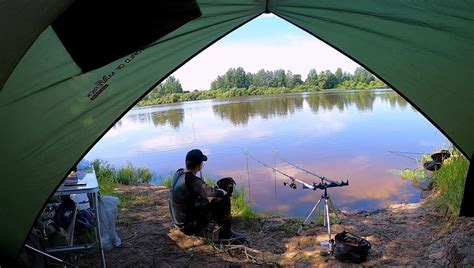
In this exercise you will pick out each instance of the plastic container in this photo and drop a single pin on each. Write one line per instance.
(325, 248)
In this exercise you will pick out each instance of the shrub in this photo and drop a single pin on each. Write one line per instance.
(449, 183)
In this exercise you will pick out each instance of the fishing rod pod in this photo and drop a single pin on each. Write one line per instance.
(323, 203)
(323, 185)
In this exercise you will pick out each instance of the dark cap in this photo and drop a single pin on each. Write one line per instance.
(195, 157)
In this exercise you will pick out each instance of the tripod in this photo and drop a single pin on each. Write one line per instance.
(326, 219)
(323, 185)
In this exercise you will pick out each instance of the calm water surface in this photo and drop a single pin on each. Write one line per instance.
(340, 135)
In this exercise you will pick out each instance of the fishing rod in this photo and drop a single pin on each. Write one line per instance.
(314, 174)
(402, 154)
(292, 184)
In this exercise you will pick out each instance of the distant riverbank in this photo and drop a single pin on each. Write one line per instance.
(251, 91)
(236, 82)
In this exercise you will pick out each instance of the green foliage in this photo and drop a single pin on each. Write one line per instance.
(449, 182)
(103, 170)
(169, 86)
(415, 174)
(327, 80)
(129, 174)
(362, 75)
(237, 83)
(105, 174)
(294, 80)
(237, 78)
(312, 78)
(241, 208)
(339, 75)
(108, 175)
(227, 93)
(233, 78)
(166, 181)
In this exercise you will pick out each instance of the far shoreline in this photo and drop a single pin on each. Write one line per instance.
(304, 93)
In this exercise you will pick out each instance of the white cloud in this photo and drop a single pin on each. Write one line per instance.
(290, 52)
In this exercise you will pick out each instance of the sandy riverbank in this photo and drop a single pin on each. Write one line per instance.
(402, 234)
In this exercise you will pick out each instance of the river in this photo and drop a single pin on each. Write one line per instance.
(338, 134)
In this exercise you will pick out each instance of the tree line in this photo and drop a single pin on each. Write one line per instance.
(236, 82)
(238, 78)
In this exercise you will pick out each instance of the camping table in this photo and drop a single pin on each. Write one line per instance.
(86, 185)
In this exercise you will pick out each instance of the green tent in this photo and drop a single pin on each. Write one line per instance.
(70, 69)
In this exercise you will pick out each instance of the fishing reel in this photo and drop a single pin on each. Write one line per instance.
(292, 185)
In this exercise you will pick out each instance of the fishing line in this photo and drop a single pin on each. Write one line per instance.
(248, 175)
(307, 171)
(406, 152)
(275, 175)
(293, 180)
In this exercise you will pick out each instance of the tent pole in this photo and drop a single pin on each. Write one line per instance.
(467, 207)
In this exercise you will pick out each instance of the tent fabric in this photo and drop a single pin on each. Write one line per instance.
(51, 112)
(20, 25)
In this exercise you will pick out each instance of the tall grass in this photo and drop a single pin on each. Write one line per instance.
(130, 175)
(241, 207)
(449, 183)
(167, 180)
(105, 174)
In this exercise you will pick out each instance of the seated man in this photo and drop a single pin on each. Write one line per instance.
(193, 204)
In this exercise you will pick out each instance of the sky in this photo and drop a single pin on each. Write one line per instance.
(266, 42)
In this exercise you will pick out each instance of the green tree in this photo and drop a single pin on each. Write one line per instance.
(171, 85)
(362, 75)
(327, 80)
(262, 78)
(346, 76)
(218, 83)
(237, 78)
(339, 75)
(279, 78)
(233, 78)
(312, 78)
(293, 80)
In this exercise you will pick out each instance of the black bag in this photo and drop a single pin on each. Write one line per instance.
(351, 248)
(65, 212)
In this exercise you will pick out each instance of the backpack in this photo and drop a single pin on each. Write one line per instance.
(351, 248)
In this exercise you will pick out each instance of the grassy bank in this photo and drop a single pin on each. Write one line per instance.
(110, 178)
(128, 174)
(448, 183)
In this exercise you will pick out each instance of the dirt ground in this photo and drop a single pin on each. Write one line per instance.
(402, 234)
